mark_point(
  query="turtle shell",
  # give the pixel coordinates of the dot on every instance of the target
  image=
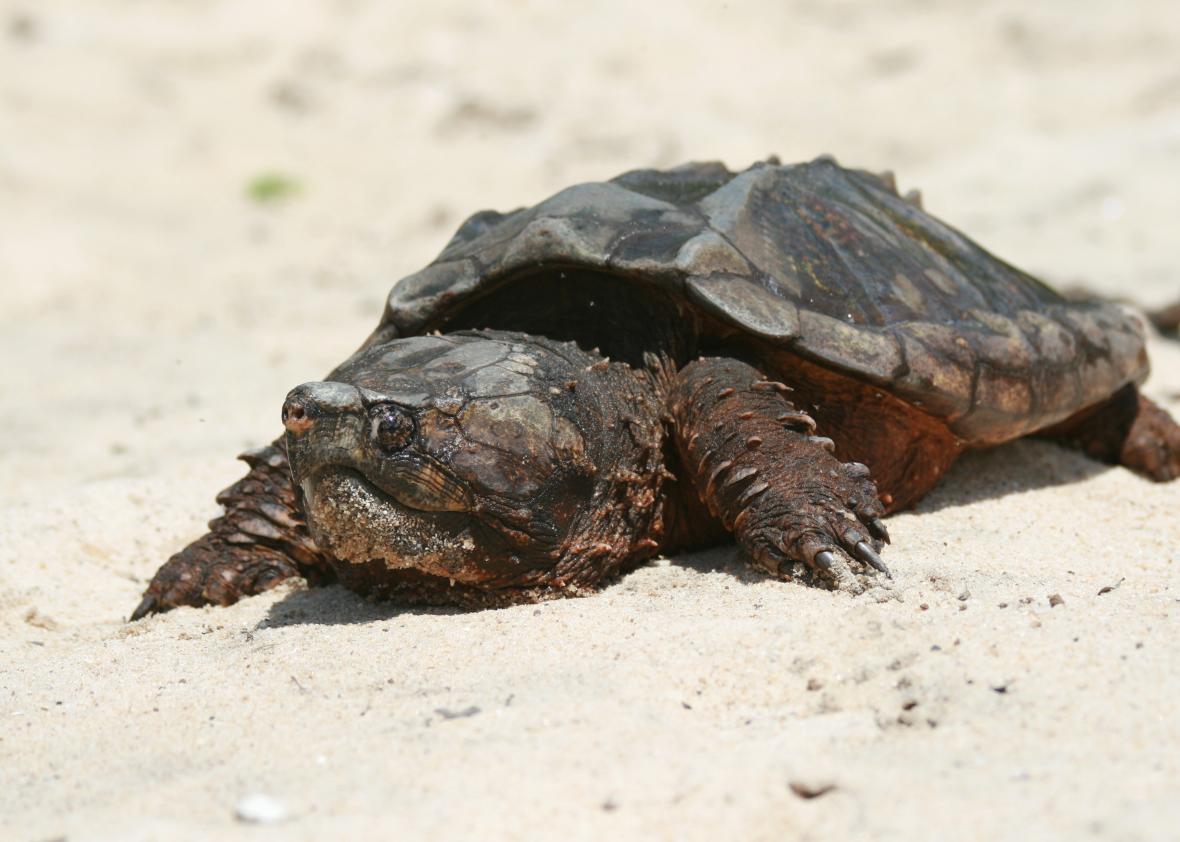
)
(824, 262)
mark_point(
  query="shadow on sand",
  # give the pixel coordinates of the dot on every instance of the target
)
(1013, 468)
(334, 605)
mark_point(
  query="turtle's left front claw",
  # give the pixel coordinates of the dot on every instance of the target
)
(869, 556)
(877, 527)
(146, 606)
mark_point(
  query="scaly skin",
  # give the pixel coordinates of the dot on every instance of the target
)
(746, 449)
(514, 469)
(909, 341)
(1128, 430)
(756, 464)
(261, 540)
(750, 453)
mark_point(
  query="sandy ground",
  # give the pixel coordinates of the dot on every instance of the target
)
(153, 314)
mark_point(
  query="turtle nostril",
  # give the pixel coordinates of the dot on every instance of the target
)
(307, 404)
(295, 416)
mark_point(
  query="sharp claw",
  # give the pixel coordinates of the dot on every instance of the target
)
(824, 561)
(869, 556)
(877, 527)
(146, 606)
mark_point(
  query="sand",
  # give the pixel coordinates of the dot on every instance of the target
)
(203, 204)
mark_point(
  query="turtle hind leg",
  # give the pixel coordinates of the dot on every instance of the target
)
(259, 541)
(1167, 319)
(1129, 430)
(756, 464)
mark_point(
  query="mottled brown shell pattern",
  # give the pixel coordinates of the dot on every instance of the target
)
(826, 262)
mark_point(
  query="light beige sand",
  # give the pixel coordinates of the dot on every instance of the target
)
(152, 317)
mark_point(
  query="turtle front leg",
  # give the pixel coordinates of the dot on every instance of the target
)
(261, 540)
(759, 467)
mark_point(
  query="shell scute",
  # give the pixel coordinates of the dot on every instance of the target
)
(710, 254)
(1054, 345)
(1002, 343)
(747, 305)
(935, 379)
(874, 355)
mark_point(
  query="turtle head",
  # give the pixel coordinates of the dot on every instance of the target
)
(470, 458)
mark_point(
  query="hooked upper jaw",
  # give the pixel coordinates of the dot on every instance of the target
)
(311, 401)
(334, 425)
(369, 494)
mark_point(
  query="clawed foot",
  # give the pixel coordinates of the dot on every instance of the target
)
(830, 525)
(213, 572)
(259, 541)
(1152, 445)
(764, 473)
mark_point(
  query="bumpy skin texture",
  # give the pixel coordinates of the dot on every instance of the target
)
(1128, 430)
(261, 540)
(756, 463)
(904, 340)
(480, 468)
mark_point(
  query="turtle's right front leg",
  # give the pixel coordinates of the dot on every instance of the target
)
(261, 540)
(758, 467)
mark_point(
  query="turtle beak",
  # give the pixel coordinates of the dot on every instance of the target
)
(325, 424)
(307, 403)
(328, 427)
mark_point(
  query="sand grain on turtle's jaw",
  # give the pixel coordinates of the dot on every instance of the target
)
(357, 522)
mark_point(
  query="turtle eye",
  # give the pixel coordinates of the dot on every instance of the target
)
(392, 428)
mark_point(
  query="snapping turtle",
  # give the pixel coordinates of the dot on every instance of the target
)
(786, 354)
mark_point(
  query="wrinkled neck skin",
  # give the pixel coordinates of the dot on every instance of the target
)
(481, 468)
